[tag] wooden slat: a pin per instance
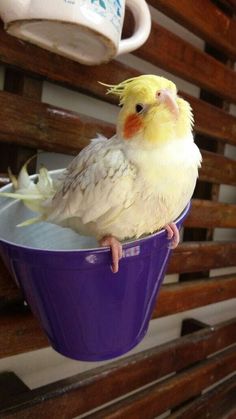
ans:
(88, 390)
(163, 49)
(212, 121)
(35, 124)
(8, 289)
(204, 19)
(209, 120)
(20, 332)
(202, 256)
(230, 3)
(172, 53)
(214, 404)
(183, 296)
(27, 122)
(158, 398)
(217, 169)
(21, 85)
(233, 4)
(231, 414)
(57, 129)
(210, 214)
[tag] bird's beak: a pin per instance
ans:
(167, 97)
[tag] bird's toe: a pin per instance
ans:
(116, 250)
(173, 235)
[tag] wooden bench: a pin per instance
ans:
(175, 377)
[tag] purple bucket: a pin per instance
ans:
(87, 312)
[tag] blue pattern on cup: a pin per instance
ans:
(103, 4)
(106, 8)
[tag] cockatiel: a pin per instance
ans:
(135, 183)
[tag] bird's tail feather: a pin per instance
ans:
(31, 221)
(34, 195)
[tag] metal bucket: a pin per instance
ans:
(87, 312)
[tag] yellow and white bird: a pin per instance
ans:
(133, 184)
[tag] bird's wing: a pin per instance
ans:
(98, 182)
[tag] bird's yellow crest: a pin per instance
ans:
(145, 85)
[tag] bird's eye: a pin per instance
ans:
(139, 108)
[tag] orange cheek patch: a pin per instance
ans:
(133, 124)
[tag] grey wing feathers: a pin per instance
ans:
(98, 180)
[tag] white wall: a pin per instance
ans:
(43, 366)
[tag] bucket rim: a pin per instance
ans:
(125, 244)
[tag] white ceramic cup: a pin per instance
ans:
(88, 31)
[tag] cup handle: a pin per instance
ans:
(142, 18)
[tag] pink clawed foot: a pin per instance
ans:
(172, 234)
(116, 250)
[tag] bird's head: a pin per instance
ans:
(151, 110)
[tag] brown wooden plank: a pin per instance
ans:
(158, 398)
(214, 404)
(212, 121)
(170, 52)
(204, 19)
(209, 120)
(231, 3)
(28, 122)
(20, 332)
(211, 214)
(8, 289)
(35, 124)
(202, 256)
(183, 296)
(88, 390)
(21, 85)
(231, 414)
(217, 169)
